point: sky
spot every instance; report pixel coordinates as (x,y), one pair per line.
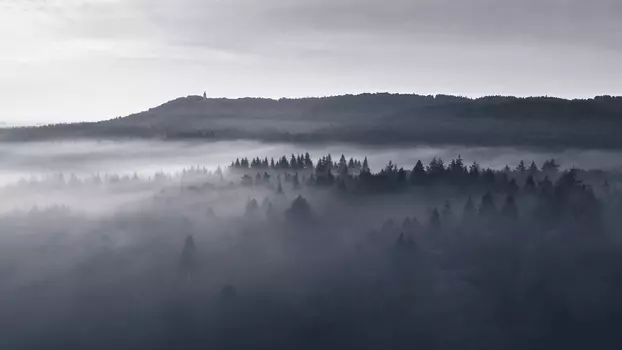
(82,60)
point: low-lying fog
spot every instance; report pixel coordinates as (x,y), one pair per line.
(83,158)
(315,252)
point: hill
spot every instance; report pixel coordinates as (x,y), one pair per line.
(367,118)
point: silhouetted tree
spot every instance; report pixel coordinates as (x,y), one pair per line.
(456,169)
(474,172)
(436,169)
(533,168)
(365,166)
(308,161)
(550,166)
(342,167)
(299,211)
(418,174)
(521,168)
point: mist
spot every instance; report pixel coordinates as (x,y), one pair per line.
(252,245)
(85,158)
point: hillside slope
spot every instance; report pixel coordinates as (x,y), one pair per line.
(365,118)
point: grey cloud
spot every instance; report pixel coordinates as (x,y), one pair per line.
(277,48)
(243,22)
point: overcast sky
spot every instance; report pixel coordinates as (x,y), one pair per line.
(66,60)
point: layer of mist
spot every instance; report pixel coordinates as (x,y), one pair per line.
(267,246)
(85,158)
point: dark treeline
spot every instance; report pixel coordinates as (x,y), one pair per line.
(364,119)
(325,253)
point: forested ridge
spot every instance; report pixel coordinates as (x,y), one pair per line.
(366,119)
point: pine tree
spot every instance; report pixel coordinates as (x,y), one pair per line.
(308,161)
(351,164)
(300,162)
(418,174)
(436,168)
(365,167)
(521,168)
(299,211)
(550,166)
(474,171)
(284,163)
(342,167)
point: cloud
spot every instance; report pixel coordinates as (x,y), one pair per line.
(297,48)
(246,22)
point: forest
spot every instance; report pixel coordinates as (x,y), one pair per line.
(365,119)
(304,252)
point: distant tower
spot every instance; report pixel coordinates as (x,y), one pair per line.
(204,95)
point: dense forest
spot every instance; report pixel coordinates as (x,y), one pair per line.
(364,119)
(300,252)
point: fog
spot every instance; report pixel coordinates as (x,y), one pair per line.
(84,158)
(161,245)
